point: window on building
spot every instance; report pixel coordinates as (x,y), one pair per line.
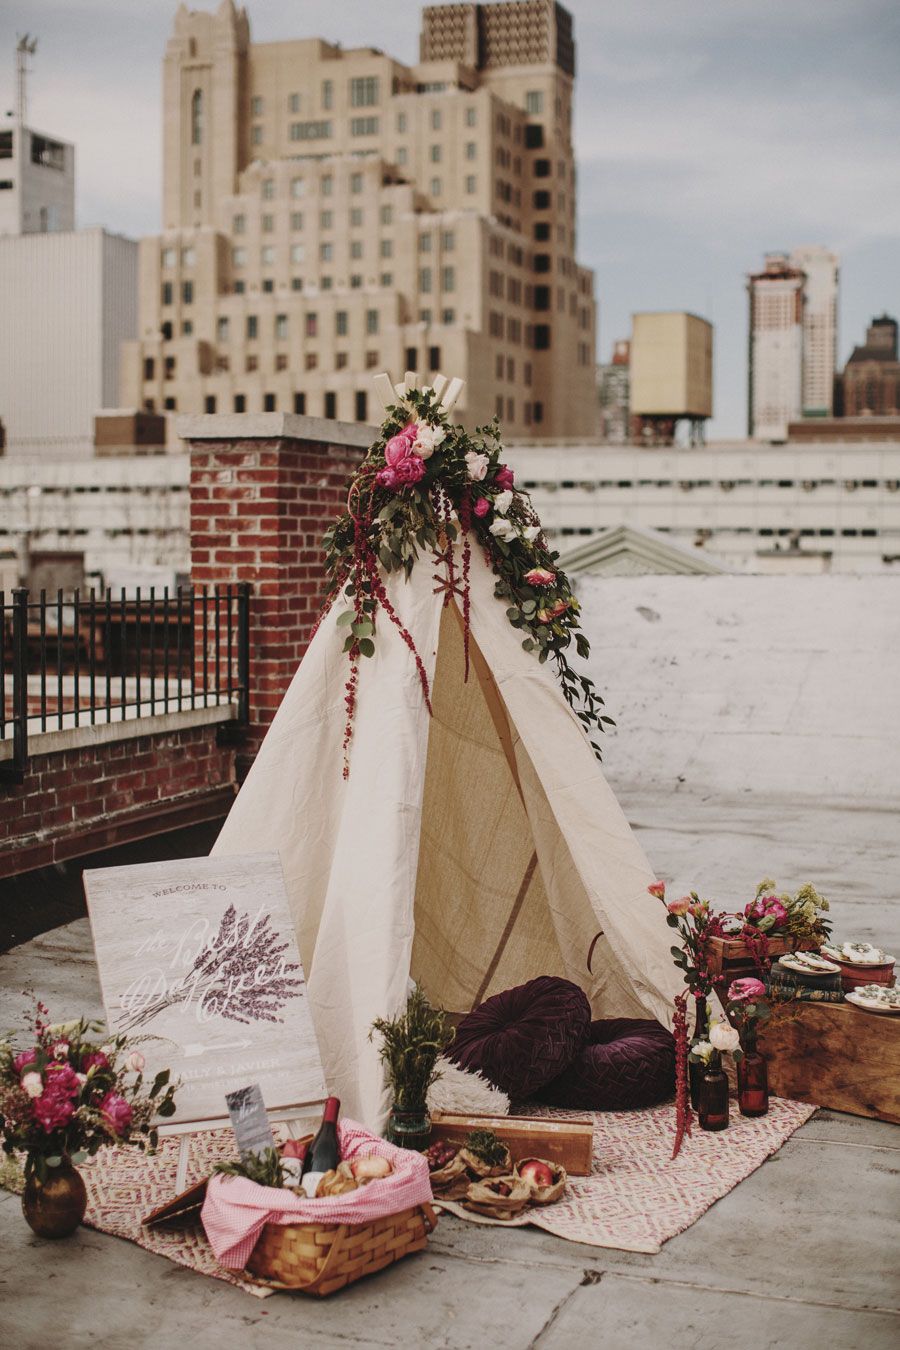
(435,154)
(256,135)
(386,248)
(238,257)
(240,403)
(169,368)
(222,327)
(268,286)
(356,183)
(268,224)
(269,404)
(471,150)
(434,358)
(167,292)
(402,155)
(300,405)
(534,102)
(425,316)
(298,187)
(251,363)
(198,198)
(326,252)
(356,281)
(542,168)
(448,316)
(329,407)
(281,326)
(294,103)
(541,200)
(356,248)
(168,257)
(364,91)
(424,280)
(170,405)
(341,323)
(256,106)
(326,220)
(197,117)
(436,187)
(310,131)
(298,253)
(371,360)
(363,126)
(268,189)
(401,123)
(238,224)
(424,243)
(470,184)
(386,279)
(296,220)
(239,286)
(209,403)
(149,367)
(436,119)
(311,360)
(387,215)
(296,283)
(498,367)
(325,283)
(372,321)
(412,358)
(327,185)
(312,325)
(327,94)
(267,255)
(538,412)
(471,116)
(448,278)
(361,405)
(341,360)
(252,327)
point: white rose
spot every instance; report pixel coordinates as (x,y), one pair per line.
(702,1050)
(423,445)
(33,1084)
(136,1061)
(503,529)
(724,1037)
(503,501)
(531,533)
(477,465)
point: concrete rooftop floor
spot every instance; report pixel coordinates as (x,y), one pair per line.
(757,736)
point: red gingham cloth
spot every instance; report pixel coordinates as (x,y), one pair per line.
(235,1209)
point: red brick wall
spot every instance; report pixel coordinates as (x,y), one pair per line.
(259,509)
(82,800)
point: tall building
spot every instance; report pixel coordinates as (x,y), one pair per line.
(613,386)
(331,212)
(870,384)
(793,340)
(69,298)
(820,294)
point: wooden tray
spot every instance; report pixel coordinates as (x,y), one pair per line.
(569,1143)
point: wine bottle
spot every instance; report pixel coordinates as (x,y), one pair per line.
(323,1153)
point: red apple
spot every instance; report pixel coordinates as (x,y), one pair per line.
(535,1171)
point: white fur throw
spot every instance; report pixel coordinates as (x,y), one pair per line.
(465,1092)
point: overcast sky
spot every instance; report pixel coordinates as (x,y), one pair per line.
(706,132)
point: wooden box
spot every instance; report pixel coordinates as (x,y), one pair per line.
(570,1143)
(832,1054)
(732,956)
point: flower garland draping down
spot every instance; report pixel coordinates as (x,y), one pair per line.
(422,483)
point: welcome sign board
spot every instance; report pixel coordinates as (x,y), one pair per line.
(198,955)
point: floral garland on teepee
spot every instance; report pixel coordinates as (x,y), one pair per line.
(423,482)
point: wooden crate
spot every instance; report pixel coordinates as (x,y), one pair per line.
(832,1054)
(731,956)
(569,1143)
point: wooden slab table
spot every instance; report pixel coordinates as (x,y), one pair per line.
(836,1055)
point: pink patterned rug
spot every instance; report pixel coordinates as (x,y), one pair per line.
(636,1197)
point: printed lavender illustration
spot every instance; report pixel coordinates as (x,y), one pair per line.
(241,974)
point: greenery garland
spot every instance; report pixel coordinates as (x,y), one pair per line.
(422,484)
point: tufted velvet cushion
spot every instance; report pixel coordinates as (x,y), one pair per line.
(628,1064)
(526,1036)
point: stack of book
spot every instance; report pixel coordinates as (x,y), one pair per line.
(818,987)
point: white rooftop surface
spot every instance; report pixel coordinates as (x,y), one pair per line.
(758,733)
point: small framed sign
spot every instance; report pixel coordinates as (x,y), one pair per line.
(199,956)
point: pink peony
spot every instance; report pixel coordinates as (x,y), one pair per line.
(397,449)
(25,1057)
(540,576)
(504,477)
(409,471)
(681,906)
(56,1104)
(658,889)
(482,506)
(94,1059)
(766,905)
(116,1112)
(746,990)
(386,478)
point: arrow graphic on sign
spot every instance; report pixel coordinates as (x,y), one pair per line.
(192,1051)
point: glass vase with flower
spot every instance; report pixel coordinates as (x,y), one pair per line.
(747,1007)
(63,1097)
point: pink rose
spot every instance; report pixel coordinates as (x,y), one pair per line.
(658,889)
(554,611)
(116,1112)
(504,477)
(482,506)
(387,477)
(540,576)
(94,1059)
(746,990)
(397,448)
(136,1061)
(53,1109)
(679,906)
(25,1057)
(767,905)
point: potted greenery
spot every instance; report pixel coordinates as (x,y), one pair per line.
(410,1046)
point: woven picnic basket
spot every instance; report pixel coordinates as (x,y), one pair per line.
(320,1258)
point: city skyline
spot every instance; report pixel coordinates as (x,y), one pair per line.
(702,140)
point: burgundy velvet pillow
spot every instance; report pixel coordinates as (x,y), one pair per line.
(628,1064)
(524,1037)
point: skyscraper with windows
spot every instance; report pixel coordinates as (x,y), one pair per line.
(331,212)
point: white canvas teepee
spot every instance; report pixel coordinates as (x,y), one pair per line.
(472,849)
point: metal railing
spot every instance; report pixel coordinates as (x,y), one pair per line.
(73,660)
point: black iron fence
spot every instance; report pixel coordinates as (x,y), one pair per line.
(73,660)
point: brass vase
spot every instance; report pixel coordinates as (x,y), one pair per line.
(55,1207)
